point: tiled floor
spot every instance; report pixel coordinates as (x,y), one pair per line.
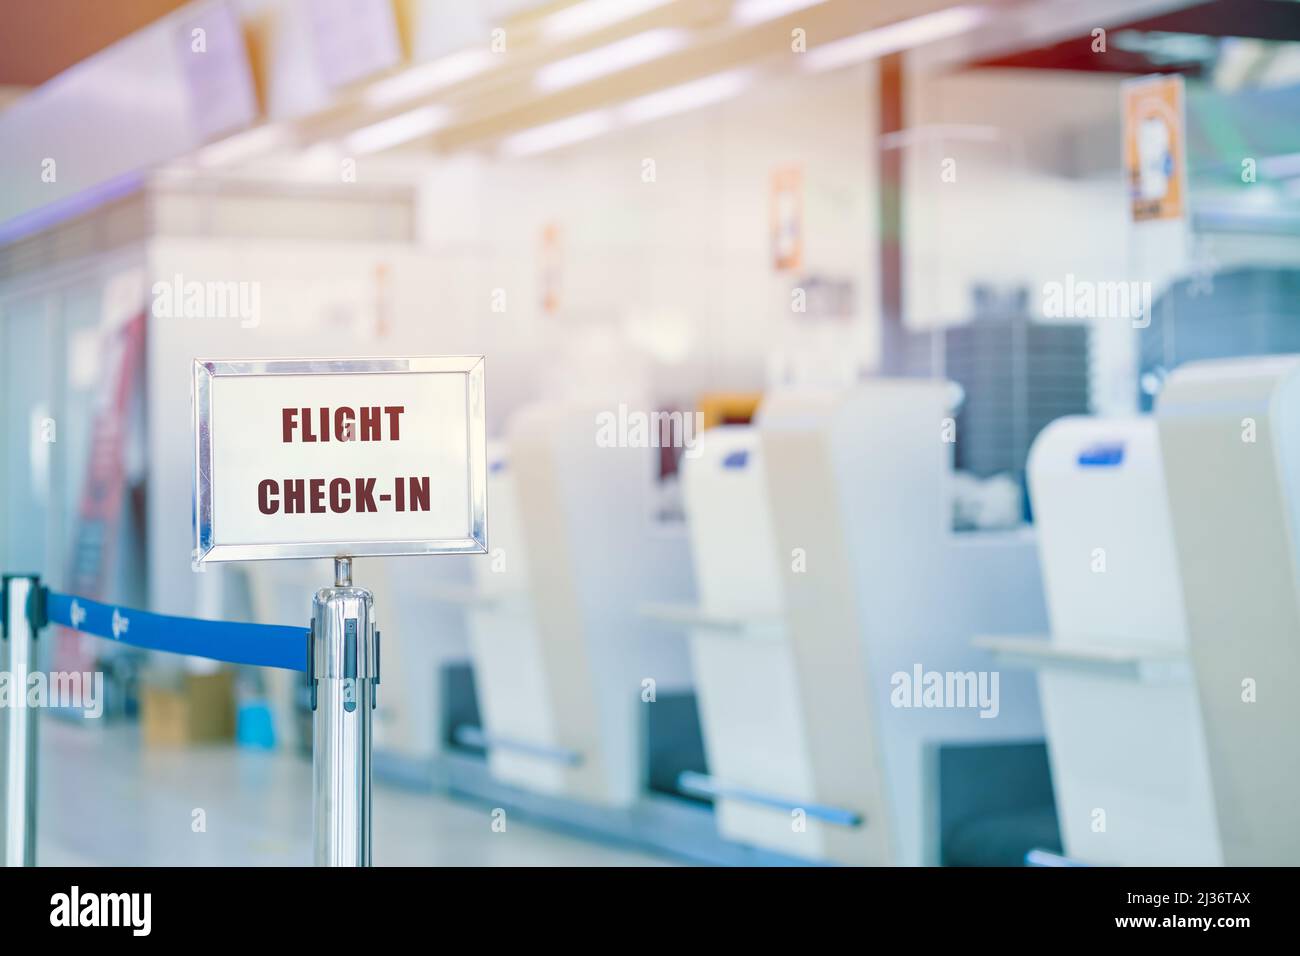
(105,800)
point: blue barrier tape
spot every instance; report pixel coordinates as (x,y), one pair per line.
(263,645)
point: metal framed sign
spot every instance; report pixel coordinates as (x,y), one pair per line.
(321,458)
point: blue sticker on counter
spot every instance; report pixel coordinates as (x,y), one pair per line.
(1105,455)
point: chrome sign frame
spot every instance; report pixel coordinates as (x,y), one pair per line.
(208,546)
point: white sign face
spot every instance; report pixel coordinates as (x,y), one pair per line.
(318,458)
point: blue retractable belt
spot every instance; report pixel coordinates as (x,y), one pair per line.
(263,645)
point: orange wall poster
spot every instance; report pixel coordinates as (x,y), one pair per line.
(1155,155)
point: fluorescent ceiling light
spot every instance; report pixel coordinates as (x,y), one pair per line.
(242,146)
(686,96)
(398,129)
(589,16)
(749,12)
(429,77)
(890,39)
(571,129)
(619,55)
(668,102)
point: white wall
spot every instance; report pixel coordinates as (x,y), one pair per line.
(676,274)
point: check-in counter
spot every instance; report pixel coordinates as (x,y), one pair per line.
(1124,727)
(1230,439)
(743,659)
(1170,557)
(832,641)
(565,668)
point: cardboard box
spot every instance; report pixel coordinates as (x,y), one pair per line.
(199,709)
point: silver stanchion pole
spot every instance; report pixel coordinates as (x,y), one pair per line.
(18,659)
(343,673)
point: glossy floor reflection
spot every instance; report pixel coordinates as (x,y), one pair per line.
(106,800)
